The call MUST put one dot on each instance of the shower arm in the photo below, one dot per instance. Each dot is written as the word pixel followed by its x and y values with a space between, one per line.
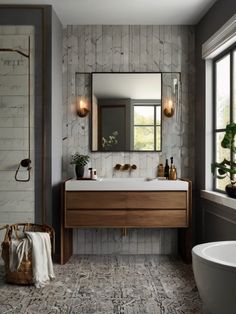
pixel 24 162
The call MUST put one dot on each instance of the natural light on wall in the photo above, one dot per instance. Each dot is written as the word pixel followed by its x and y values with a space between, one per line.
pixel 222 113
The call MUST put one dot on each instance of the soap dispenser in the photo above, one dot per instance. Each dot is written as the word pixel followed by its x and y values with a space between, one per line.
pixel 173 172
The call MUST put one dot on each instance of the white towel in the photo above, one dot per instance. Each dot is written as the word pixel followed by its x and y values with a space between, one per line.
pixel 41 258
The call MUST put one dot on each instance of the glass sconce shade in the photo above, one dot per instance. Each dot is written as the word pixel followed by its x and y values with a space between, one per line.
pixel 169 108
pixel 82 107
pixel 172 101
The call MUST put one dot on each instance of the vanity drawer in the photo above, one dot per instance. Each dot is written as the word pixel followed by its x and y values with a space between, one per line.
pixel 126 218
pixel 126 200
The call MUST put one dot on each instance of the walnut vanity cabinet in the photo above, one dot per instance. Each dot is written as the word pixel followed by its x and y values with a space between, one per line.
pixel 130 209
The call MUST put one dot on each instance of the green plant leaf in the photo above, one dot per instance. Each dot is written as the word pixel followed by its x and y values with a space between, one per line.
pixel 226 167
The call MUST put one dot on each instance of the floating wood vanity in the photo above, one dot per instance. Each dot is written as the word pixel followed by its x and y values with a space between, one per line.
pixel 128 204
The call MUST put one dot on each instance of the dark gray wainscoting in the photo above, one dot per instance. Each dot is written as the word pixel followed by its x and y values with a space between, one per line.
pixel 219 222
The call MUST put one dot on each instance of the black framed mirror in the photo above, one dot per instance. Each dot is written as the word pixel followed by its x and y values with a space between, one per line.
pixel 123 120
pixel 126 112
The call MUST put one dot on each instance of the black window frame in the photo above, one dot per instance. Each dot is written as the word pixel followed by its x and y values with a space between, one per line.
pixel 230 51
pixel 149 103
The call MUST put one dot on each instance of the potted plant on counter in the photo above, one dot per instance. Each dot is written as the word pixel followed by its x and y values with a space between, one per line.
pixel 228 167
pixel 79 161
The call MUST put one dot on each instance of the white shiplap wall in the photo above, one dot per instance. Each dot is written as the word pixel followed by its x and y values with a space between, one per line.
pixel 16 198
pixel 108 48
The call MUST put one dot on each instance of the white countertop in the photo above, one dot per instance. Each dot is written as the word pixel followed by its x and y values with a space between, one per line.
pixel 126 184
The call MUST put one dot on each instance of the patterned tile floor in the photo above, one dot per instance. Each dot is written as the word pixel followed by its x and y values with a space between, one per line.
pixel 108 284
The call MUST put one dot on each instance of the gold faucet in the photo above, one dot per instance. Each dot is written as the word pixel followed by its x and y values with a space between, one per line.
pixel 118 167
pixel 125 167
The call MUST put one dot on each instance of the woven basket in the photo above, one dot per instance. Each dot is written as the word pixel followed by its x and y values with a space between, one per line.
pixel 24 274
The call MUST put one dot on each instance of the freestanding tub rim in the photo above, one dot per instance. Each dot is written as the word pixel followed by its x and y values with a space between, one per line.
pixel 203 251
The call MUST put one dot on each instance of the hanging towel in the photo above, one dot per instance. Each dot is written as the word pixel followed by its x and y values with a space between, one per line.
pixel 41 258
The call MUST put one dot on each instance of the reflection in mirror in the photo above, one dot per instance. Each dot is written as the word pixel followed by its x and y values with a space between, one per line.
pixel 126 111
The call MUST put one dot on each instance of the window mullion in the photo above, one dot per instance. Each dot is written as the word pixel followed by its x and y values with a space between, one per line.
pixel 214 119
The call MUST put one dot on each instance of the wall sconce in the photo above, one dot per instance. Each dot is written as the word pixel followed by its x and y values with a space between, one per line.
pixel 172 101
pixel 82 107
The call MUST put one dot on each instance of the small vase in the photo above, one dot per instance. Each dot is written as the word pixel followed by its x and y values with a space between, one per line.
pixel 79 170
pixel 231 190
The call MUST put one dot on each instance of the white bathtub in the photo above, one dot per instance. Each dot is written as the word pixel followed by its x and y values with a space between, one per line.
pixel 214 267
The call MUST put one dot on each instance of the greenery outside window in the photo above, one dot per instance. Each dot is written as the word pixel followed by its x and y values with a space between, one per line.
pixel 224 96
pixel 147 126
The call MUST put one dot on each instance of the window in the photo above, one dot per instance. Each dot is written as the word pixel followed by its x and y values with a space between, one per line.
pixel 224 89
pixel 147 127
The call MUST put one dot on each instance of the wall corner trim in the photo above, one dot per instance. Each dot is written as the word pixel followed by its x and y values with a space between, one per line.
pixel 221 40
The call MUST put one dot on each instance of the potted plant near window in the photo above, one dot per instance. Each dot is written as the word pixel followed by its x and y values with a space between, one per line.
pixel 79 161
pixel 228 167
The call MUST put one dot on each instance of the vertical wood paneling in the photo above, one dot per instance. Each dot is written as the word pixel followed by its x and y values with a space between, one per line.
pixel 134 48
pixel 81 48
pixel 125 31
pixel 107 48
pixel 90 49
pixel 150 48
pixel 143 49
pixel 155 48
pixel 116 49
pixel 167 48
pixel 161 47
pixel 98 48
pixel 131 48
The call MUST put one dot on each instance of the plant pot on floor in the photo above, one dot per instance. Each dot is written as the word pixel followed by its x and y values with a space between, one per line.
pixel 79 170
pixel 231 190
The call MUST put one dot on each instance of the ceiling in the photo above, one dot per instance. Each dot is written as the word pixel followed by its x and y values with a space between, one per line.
pixel 162 12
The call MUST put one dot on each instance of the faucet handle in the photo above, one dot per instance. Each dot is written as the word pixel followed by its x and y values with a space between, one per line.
pixel 117 167
pixel 133 167
pixel 126 167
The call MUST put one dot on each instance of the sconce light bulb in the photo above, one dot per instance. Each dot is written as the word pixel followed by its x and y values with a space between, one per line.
pixel 82 110
pixel 81 104
pixel 169 109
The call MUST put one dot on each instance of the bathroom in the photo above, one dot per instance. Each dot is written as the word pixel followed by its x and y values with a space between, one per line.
pixel 68 49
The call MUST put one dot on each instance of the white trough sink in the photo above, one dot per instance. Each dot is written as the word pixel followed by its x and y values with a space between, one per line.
pixel 126 184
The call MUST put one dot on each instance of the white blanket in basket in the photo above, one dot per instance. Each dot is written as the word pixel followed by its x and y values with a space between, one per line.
pixel 41 257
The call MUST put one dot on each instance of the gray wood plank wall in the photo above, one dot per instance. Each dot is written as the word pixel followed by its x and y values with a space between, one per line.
pixel 129 48
pixel 17 199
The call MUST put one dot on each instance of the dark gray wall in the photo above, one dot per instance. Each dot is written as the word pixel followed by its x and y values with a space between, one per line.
pixel 219 222
pixel 56 125
pixel 48 106
pixel 39 17
pixel 218 15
